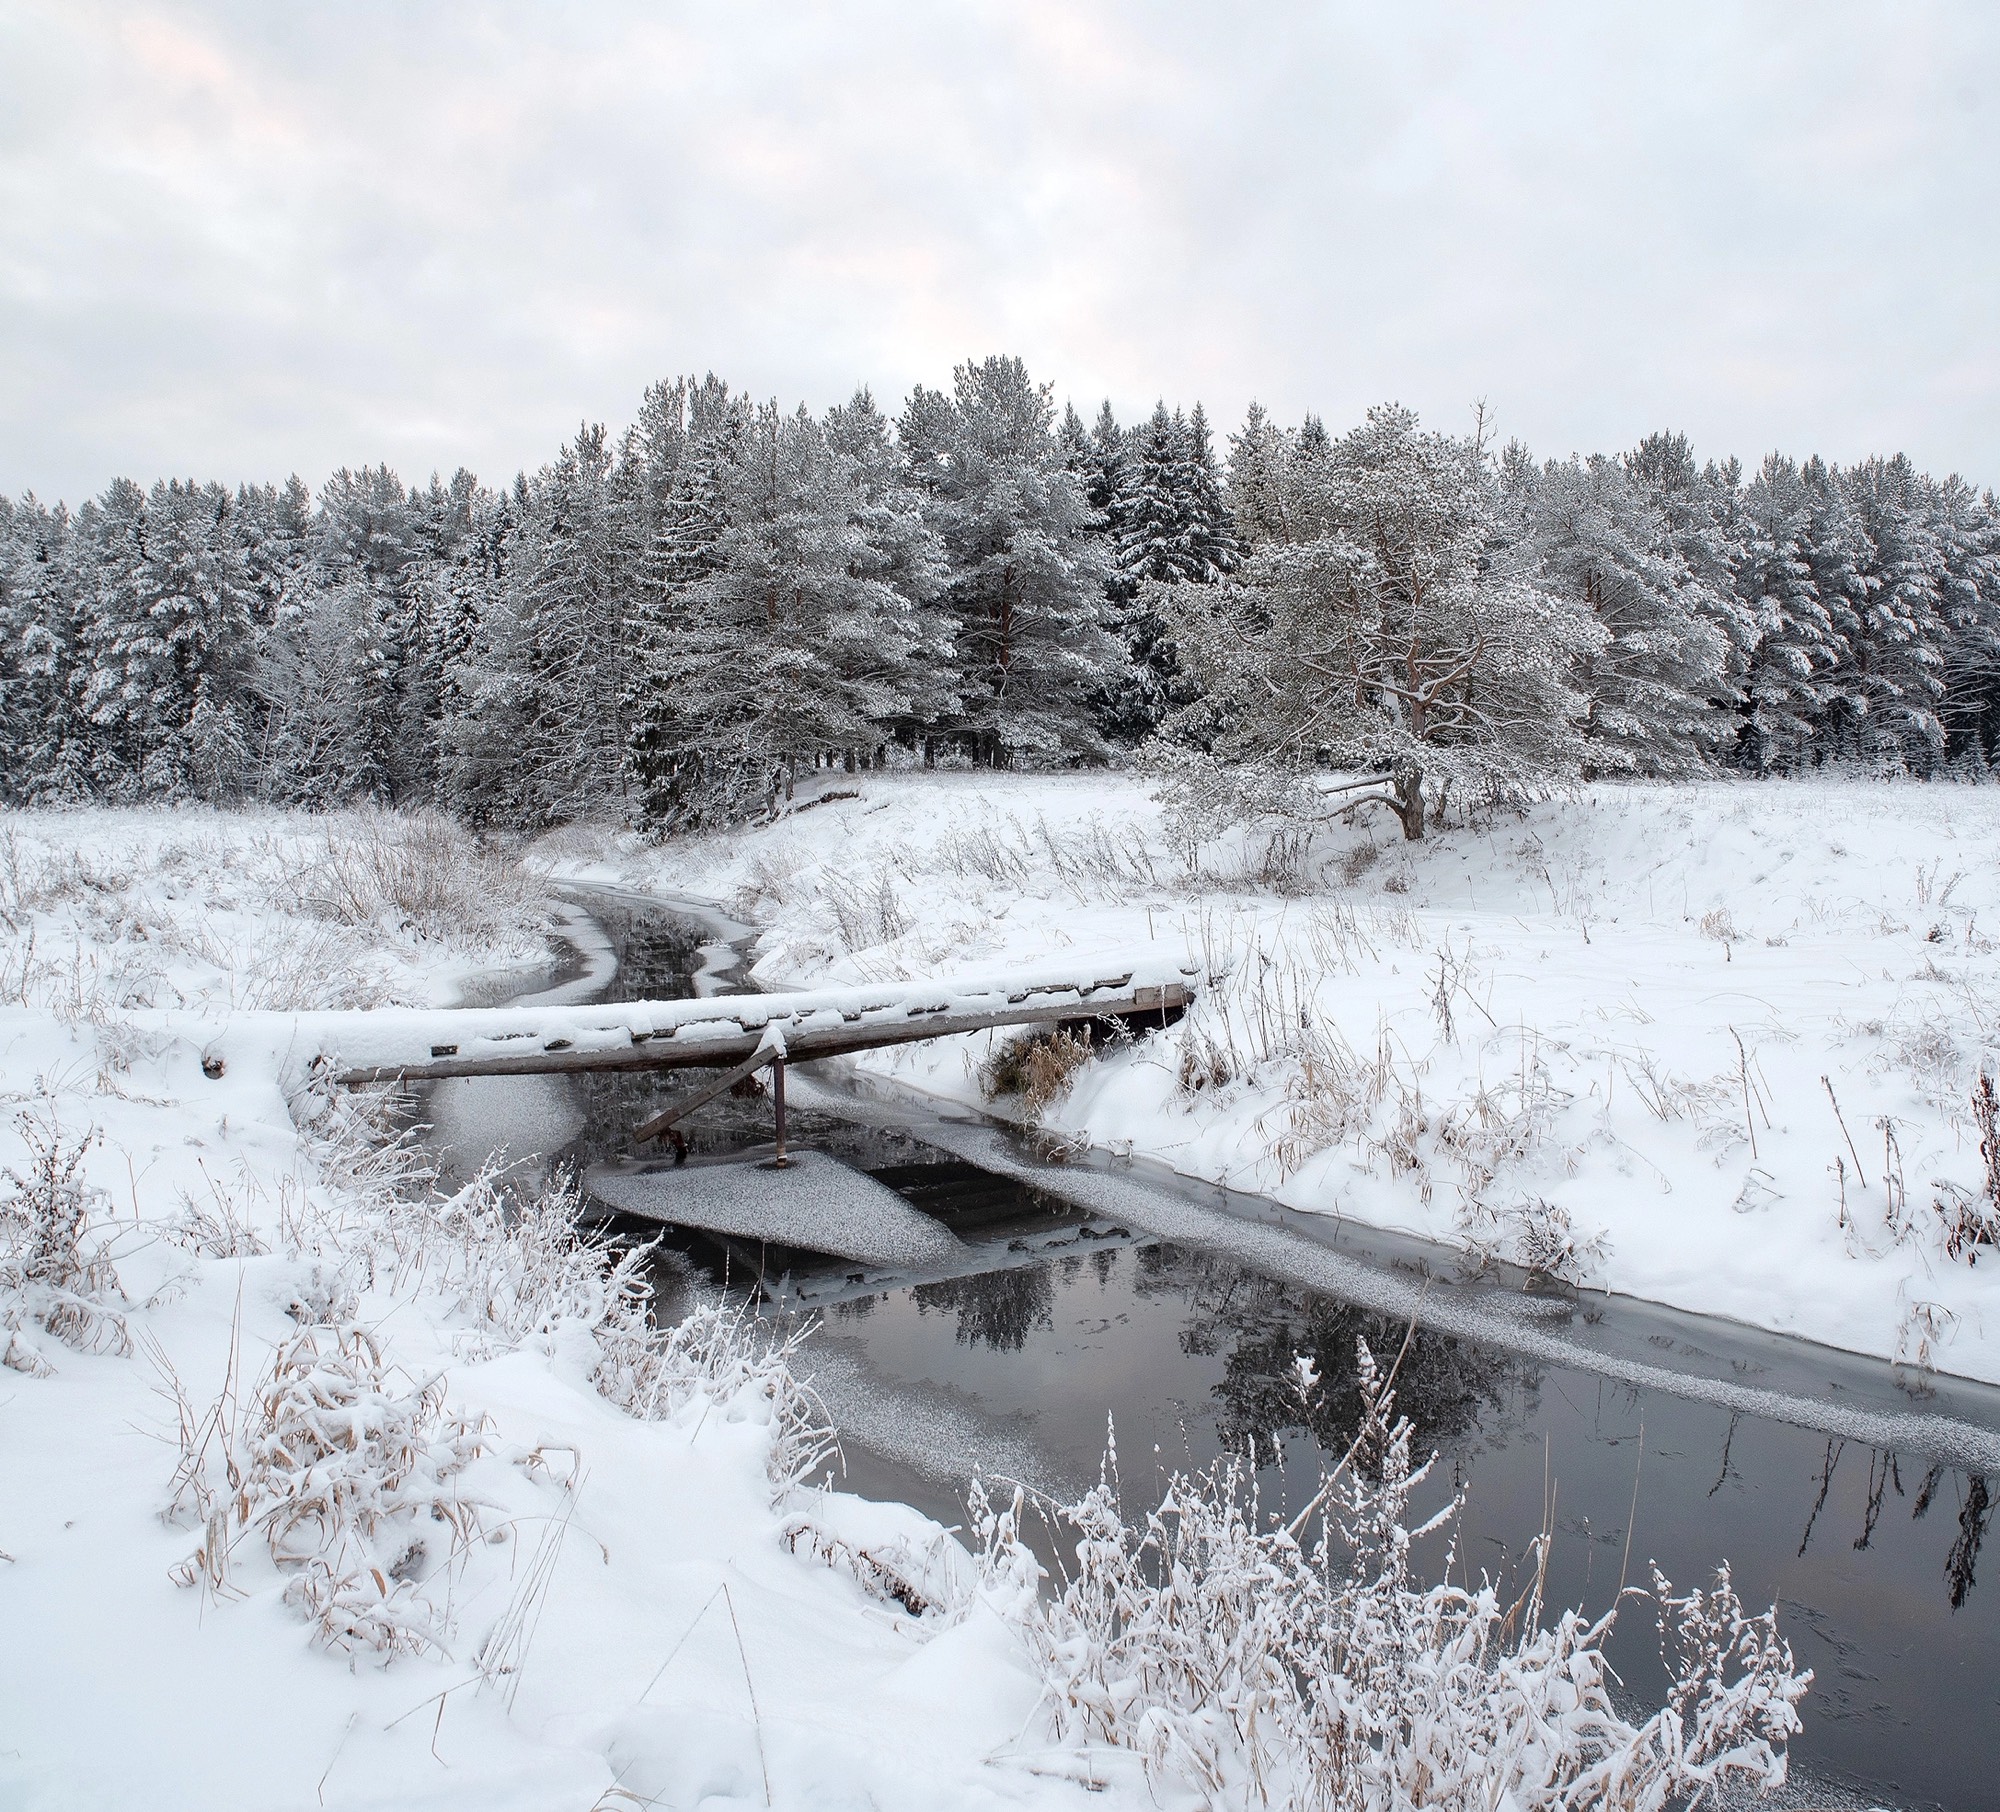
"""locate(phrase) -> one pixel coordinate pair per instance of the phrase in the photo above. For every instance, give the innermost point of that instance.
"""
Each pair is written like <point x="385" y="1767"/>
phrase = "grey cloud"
<point x="238" y="240"/>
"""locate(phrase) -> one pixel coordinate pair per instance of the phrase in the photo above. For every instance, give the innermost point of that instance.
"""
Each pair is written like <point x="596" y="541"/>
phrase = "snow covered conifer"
<point x="1029" y="565"/>
<point x="1259" y="455"/>
<point x="44" y="572"/>
<point x="1656" y="683"/>
<point x="168" y="643"/>
<point x="1896" y="672"/>
<point x="1799" y="645"/>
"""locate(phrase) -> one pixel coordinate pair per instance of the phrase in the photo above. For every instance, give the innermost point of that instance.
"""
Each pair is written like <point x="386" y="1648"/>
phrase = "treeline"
<point x="668" y="626"/>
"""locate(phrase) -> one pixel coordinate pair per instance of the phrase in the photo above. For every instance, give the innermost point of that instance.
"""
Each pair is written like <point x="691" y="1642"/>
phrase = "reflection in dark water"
<point x="999" y="1308"/>
<point x="1259" y="1326"/>
<point x="1972" y="1518"/>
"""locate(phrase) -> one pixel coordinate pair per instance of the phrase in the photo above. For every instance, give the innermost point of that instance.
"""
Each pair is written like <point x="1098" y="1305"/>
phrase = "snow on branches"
<point x="1295" y="1664"/>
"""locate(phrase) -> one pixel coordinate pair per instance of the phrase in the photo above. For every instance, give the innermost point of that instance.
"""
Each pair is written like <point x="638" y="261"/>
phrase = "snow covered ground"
<point x="1711" y="1045"/>
<point x="236" y="1360"/>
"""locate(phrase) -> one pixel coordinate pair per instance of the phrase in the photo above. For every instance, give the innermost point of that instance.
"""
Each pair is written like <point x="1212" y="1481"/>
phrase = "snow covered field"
<point x="399" y="1431"/>
<point x="1714" y="1045"/>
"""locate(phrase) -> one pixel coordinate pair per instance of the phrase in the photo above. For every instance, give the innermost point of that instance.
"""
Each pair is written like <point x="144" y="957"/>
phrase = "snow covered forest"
<point x="667" y="625"/>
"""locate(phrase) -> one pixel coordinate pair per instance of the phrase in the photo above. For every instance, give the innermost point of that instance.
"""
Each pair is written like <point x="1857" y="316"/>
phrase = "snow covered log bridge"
<point x="410" y="1044"/>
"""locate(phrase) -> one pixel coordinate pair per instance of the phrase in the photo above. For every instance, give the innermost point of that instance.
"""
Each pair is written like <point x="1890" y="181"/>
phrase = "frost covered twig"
<point x="53" y="1271"/>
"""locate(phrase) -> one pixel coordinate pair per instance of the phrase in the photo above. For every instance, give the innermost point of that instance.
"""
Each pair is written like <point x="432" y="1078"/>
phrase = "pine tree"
<point x="1155" y="539"/>
<point x="1799" y="647"/>
<point x="1896" y="671"/>
<point x="167" y="642"/>
<point x="1968" y="527"/>
<point x="1213" y="546"/>
<point x="551" y="693"/>
<point x="44" y="576"/>
<point x="1105" y="471"/>
<point x="1259" y="457"/>
<point x="796" y="623"/>
<point x="1379" y="642"/>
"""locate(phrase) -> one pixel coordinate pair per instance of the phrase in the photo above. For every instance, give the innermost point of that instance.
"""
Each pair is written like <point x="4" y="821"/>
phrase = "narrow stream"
<point x="1641" y="1436"/>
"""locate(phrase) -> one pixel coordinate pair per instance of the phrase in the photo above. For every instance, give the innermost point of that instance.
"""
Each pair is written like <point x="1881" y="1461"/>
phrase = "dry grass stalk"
<point x="1039" y="1067"/>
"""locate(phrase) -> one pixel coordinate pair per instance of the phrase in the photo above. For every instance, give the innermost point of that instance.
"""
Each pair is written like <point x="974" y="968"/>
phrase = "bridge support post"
<point x="778" y="1159"/>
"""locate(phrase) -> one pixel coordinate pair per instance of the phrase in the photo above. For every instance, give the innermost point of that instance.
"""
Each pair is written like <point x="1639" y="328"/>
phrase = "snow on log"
<point x="396" y="1043"/>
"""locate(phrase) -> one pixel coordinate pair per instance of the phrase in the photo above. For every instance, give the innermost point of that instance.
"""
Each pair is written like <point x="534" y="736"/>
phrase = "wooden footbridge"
<point x="736" y="1034"/>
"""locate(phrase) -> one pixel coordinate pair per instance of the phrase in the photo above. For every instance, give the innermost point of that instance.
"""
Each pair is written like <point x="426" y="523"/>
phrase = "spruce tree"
<point x="1029" y="564"/>
<point x="1656" y="679"/>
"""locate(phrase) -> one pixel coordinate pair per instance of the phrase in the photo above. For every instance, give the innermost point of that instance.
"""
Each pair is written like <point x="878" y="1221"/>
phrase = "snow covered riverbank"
<point x="1711" y="1045"/>
<point x="269" y="1419"/>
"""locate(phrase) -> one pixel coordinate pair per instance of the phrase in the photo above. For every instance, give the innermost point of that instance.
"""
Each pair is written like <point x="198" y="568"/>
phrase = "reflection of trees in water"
<point x="1975" y="1511"/>
<point x="1885" y="1473"/>
<point x="657" y="955"/>
<point x="1447" y="1386"/>
<point x="997" y="1309"/>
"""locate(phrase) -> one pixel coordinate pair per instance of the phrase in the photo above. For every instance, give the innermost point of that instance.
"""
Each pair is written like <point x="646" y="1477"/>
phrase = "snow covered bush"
<point x="721" y="1357"/>
<point x="349" y="1475"/>
<point x="1301" y="1664"/>
<point x="518" y="1267"/>
<point x="55" y="1271"/>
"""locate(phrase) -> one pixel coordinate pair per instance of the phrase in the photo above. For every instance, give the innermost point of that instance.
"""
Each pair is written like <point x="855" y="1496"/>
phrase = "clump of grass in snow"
<point x="1302" y="1664"/>
<point x="1038" y="1067"/>
<point x="348" y="1474"/>
<point x="1970" y="1221"/>
<point x="417" y="872"/>
<point x="867" y="912"/>
<point x="55" y="1271"/>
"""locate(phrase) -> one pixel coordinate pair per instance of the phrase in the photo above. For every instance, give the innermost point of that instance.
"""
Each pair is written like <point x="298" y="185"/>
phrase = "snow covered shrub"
<point x="418" y="872"/>
<point x="54" y="1270"/>
<point x="723" y="1358"/>
<point x="349" y="1477"/>
<point x="521" y="1267"/>
<point x="1038" y="1067"/>
<point x="1302" y="1665"/>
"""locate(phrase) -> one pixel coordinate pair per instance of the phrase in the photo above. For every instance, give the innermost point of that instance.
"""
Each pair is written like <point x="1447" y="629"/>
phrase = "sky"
<point x="239" y="240"/>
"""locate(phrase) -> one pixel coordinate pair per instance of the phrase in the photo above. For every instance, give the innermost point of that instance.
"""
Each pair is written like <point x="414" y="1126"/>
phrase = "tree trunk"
<point x="1409" y="802"/>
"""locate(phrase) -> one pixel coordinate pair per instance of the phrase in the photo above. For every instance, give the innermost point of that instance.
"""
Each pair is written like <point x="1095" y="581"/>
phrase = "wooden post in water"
<point x="779" y="1161"/>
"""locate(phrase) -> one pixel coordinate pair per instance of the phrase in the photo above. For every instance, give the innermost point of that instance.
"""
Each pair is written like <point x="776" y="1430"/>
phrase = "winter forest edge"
<point x="666" y="626"/>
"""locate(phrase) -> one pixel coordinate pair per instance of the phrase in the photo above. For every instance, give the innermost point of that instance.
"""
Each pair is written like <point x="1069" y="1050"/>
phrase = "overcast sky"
<point x="242" y="239"/>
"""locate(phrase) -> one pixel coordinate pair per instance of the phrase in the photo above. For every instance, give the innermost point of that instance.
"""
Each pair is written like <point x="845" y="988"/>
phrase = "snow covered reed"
<point x="111" y="911"/>
<point x="1302" y="1664"/>
<point x="517" y="1267"/>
